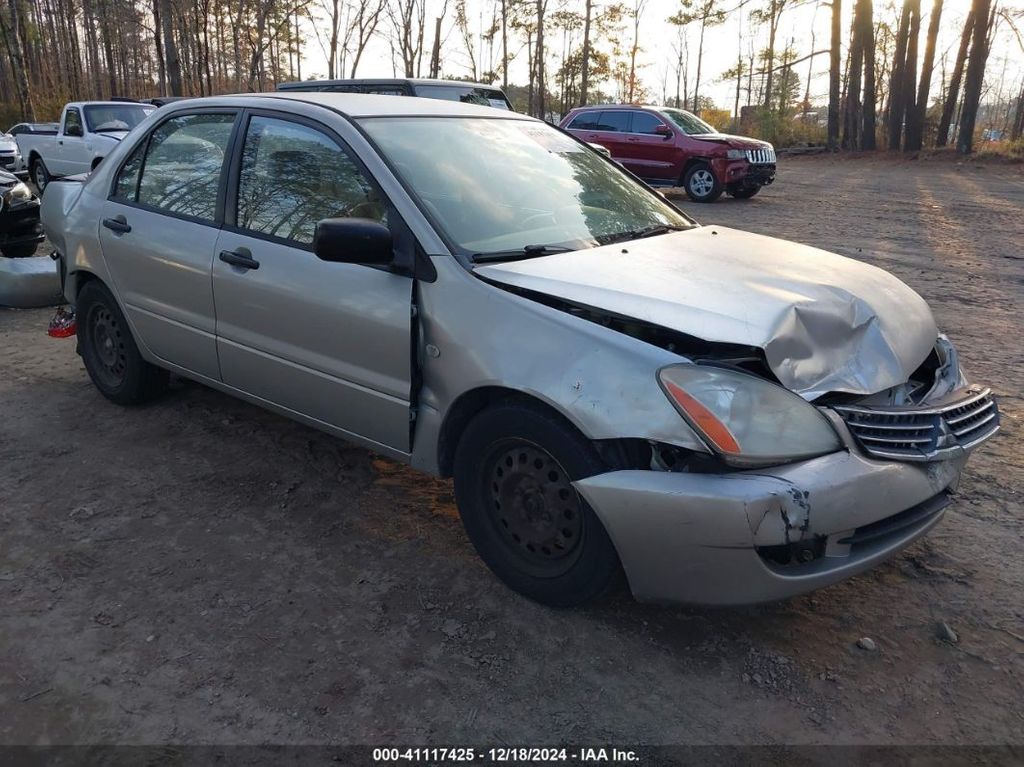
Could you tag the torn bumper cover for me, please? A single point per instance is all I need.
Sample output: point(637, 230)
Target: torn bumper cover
point(716, 538)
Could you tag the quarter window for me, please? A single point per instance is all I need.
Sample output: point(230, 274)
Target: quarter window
point(178, 169)
point(294, 176)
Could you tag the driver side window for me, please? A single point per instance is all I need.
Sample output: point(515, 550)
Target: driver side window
point(293, 176)
point(73, 123)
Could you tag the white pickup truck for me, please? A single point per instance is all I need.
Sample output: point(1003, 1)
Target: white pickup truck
point(88, 131)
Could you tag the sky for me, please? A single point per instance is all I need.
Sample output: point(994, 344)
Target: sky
point(806, 21)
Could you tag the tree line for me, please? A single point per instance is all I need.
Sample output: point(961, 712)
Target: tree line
point(883, 73)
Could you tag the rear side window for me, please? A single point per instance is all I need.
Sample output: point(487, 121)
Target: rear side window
point(293, 176)
point(644, 122)
point(178, 169)
point(585, 121)
point(614, 122)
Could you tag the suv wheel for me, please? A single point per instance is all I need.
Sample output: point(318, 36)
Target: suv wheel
point(514, 469)
point(109, 352)
point(701, 183)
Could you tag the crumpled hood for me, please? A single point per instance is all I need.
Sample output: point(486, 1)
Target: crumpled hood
point(741, 142)
point(826, 323)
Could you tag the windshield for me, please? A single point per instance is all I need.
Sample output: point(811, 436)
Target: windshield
point(488, 97)
point(496, 185)
point(115, 117)
point(689, 122)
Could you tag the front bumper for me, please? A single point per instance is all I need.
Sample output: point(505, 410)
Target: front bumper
point(745, 173)
point(20, 224)
point(706, 538)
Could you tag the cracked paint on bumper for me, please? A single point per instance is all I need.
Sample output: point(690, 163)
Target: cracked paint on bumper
point(693, 538)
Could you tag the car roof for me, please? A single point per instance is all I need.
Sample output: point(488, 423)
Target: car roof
point(389, 81)
point(128, 103)
point(604, 107)
point(359, 104)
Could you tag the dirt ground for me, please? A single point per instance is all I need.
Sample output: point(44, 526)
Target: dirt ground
point(201, 571)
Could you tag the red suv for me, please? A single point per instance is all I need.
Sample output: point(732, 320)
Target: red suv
point(671, 146)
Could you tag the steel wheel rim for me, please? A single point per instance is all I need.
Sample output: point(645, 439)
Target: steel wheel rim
point(702, 182)
point(533, 507)
point(106, 338)
point(40, 176)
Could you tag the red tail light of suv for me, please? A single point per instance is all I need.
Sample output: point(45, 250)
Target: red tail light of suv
point(666, 146)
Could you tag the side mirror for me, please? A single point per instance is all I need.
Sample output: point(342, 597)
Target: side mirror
point(663, 130)
point(73, 130)
point(353, 241)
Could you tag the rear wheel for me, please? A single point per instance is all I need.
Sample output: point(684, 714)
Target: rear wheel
point(40, 175)
point(514, 469)
point(109, 352)
point(701, 183)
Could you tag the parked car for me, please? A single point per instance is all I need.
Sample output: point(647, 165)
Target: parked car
point(671, 146)
point(87, 132)
point(732, 417)
point(10, 155)
point(447, 90)
point(20, 233)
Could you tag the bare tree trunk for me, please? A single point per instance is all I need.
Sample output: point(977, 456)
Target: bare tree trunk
point(897, 106)
point(539, 57)
point(975, 77)
point(953, 94)
point(852, 116)
point(173, 62)
point(15, 39)
point(916, 113)
point(867, 135)
point(773, 27)
point(834, 75)
point(585, 61)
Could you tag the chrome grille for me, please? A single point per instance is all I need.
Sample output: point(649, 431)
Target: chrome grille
point(924, 433)
point(765, 156)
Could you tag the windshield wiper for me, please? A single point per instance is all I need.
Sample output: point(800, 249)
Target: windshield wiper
point(516, 254)
point(639, 234)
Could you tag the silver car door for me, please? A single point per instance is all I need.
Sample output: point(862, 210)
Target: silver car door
point(158, 233)
point(70, 146)
point(328, 340)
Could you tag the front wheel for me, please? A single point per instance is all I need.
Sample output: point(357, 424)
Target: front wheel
point(21, 250)
point(514, 469)
point(701, 183)
point(40, 175)
point(109, 352)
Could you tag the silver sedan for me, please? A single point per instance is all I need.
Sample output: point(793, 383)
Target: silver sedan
point(726, 417)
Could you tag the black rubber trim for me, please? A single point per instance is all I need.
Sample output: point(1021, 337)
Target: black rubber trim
point(911, 517)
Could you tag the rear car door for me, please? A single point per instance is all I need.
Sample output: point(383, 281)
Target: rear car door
point(331, 341)
point(159, 230)
point(648, 153)
point(610, 130)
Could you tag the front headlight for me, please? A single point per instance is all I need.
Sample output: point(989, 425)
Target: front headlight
point(17, 194)
point(745, 419)
point(736, 154)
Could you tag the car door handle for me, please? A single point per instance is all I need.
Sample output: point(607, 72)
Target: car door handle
point(118, 225)
point(241, 258)
point(632, 139)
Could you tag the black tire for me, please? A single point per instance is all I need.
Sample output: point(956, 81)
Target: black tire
point(513, 468)
point(701, 183)
point(744, 192)
point(21, 250)
point(39, 174)
point(109, 352)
